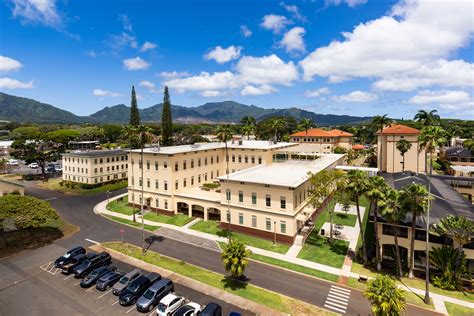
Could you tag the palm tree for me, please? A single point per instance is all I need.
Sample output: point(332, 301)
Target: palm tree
point(248, 120)
point(458, 228)
point(234, 258)
point(248, 130)
point(391, 210)
point(414, 200)
point(380, 121)
point(144, 136)
point(450, 263)
point(403, 146)
point(427, 118)
point(129, 132)
point(386, 298)
point(276, 124)
point(376, 188)
point(355, 188)
point(306, 124)
point(224, 134)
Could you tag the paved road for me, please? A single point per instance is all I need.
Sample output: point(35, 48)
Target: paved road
point(78, 210)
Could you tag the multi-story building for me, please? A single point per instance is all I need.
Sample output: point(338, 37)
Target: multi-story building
point(389, 159)
point(325, 141)
point(458, 156)
point(95, 166)
point(177, 179)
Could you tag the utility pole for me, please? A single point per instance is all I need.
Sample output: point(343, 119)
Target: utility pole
point(274, 232)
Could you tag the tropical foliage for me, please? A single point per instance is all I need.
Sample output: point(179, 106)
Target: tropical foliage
point(386, 298)
point(450, 264)
point(26, 211)
point(234, 257)
point(403, 146)
point(460, 229)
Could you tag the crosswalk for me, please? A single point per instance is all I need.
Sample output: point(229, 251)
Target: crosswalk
point(338, 299)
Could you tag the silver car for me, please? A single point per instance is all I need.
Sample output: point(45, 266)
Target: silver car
point(125, 281)
point(154, 294)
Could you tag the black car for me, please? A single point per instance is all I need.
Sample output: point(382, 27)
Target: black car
point(88, 265)
point(108, 280)
point(95, 274)
point(69, 267)
point(212, 309)
point(136, 289)
point(68, 256)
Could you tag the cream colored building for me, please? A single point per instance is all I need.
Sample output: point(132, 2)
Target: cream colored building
point(389, 158)
point(10, 186)
point(95, 166)
point(325, 141)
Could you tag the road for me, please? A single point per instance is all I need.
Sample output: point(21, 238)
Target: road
point(78, 210)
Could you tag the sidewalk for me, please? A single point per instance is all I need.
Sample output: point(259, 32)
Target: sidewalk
point(345, 271)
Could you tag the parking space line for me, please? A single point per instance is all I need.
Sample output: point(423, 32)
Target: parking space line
point(115, 302)
point(104, 294)
point(90, 289)
point(153, 311)
point(68, 277)
point(92, 241)
point(77, 283)
point(131, 309)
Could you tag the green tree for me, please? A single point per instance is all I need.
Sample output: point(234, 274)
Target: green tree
point(26, 211)
point(380, 121)
point(248, 130)
point(224, 134)
point(355, 188)
point(386, 298)
point(166, 120)
point(112, 132)
point(427, 118)
point(277, 124)
point(134, 114)
point(63, 136)
point(248, 120)
point(234, 257)
point(38, 151)
point(305, 124)
point(129, 132)
point(403, 146)
point(460, 229)
point(450, 265)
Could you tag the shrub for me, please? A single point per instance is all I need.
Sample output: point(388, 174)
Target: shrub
point(26, 211)
point(450, 264)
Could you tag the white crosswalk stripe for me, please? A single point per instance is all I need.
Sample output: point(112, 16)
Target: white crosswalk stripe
point(337, 299)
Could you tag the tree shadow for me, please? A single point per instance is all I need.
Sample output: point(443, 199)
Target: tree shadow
point(151, 239)
point(235, 283)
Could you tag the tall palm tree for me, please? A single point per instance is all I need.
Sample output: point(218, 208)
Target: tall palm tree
point(248, 120)
point(458, 228)
point(355, 188)
point(427, 118)
point(306, 124)
point(414, 200)
point(144, 136)
point(385, 297)
point(376, 187)
point(248, 130)
point(129, 132)
point(380, 121)
point(276, 124)
point(403, 146)
point(234, 258)
point(224, 134)
point(392, 211)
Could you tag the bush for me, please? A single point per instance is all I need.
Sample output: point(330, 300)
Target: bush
point(26, 211)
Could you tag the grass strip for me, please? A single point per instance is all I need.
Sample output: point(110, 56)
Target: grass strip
point(317, 249)
point(458, 310)
point(178, 219)
point(150, 228)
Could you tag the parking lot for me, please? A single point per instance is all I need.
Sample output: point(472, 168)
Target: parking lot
point(49, 292)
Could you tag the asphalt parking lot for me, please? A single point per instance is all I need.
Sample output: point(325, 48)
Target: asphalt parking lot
point(47, 291)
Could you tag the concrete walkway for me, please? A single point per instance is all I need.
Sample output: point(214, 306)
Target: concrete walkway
point(185, 235)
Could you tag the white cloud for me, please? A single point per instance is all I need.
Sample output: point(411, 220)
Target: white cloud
point(223, 55)
point(122, 40)
point(246, 32)
point(402, 51)
point(356, 96)
point(316, 93)
point(9, 83)
point(149, 85)
point(9, 64)
point(275, 23)
point(105, 93)
point(293, 40)
point(350, 3)
point(440, 97)
point(204, 81)
point(91, 54)
point(135, 64)
point(212, 93)
point(263, 89)
point(173, 74)
point(127, 24)
point(147, 46)
point(294, 10)
point(140, 97)
point(38, 11)
point(266, 70)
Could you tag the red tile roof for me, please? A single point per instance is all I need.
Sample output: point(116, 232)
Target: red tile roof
point(318, 132)
point(358, 147)
point(399, 129)
point(341, 133)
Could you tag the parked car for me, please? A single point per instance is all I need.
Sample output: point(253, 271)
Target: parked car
point(108, 280)
point(190, 309)
point(88, 265)
point(125, 281)
point(33, 165)
point(136, 289)
point(68, 256)
point(169, 304)
point(69, 267)
point(95, 274)
point(13, 162)
point(212, 309)
point(154, 294)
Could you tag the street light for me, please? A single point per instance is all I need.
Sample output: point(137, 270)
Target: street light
point(274, 232)
point(108, 198)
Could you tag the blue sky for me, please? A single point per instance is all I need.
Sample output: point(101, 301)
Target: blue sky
point(357, 57)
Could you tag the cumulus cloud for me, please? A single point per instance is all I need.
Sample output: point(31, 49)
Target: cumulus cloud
point(148, 46)
point(223, 55)
point(293, 40)
point(402, 51)
point(317, 93)
point(9, 83)
point(356, 96)
point(173, 74)
point(122, 40)
point(149, 85)
point(9, 64)
point(204, 82)
point(261, 90)
point(350, 3)
point(245, 31)
point(212, 93)
point(295, 12)
point(105, 93)
point(135, 64)
point(38, 11)
point(440, 97)
point(274, 23)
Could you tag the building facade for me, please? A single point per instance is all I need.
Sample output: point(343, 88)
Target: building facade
point(95, 166)
point(325, 141)
point(10, 186)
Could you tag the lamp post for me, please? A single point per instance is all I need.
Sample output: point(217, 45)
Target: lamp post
point(274, 232)
point(108, 198)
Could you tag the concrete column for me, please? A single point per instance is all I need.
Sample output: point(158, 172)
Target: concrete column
point(206, 215)
point(190, 210)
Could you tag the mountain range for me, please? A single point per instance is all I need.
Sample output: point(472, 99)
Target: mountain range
point(19, 109)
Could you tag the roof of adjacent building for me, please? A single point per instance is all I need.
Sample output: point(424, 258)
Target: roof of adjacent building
point(399, 129)
point(446, 199)
point(318, 132)
point(290, 173)
point(458, 151)
point(358, 147)
point(6, 143)
point(11, 181)
point(95, 153)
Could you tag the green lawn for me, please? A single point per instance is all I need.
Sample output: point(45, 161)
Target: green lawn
point(345, 219)
point(318, 249)
point(211, 227)
point(458, 310)
point(150, 228)
point(53, 184)
point(120, 207)
point(253, 293)
point(178, 219)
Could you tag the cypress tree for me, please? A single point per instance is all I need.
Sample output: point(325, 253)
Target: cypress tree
point(166, 121)
point(134, 115)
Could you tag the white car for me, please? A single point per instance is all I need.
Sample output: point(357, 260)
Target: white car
point(13, 162)
point(33, 165)
point(190, 309)
point(169, 304)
